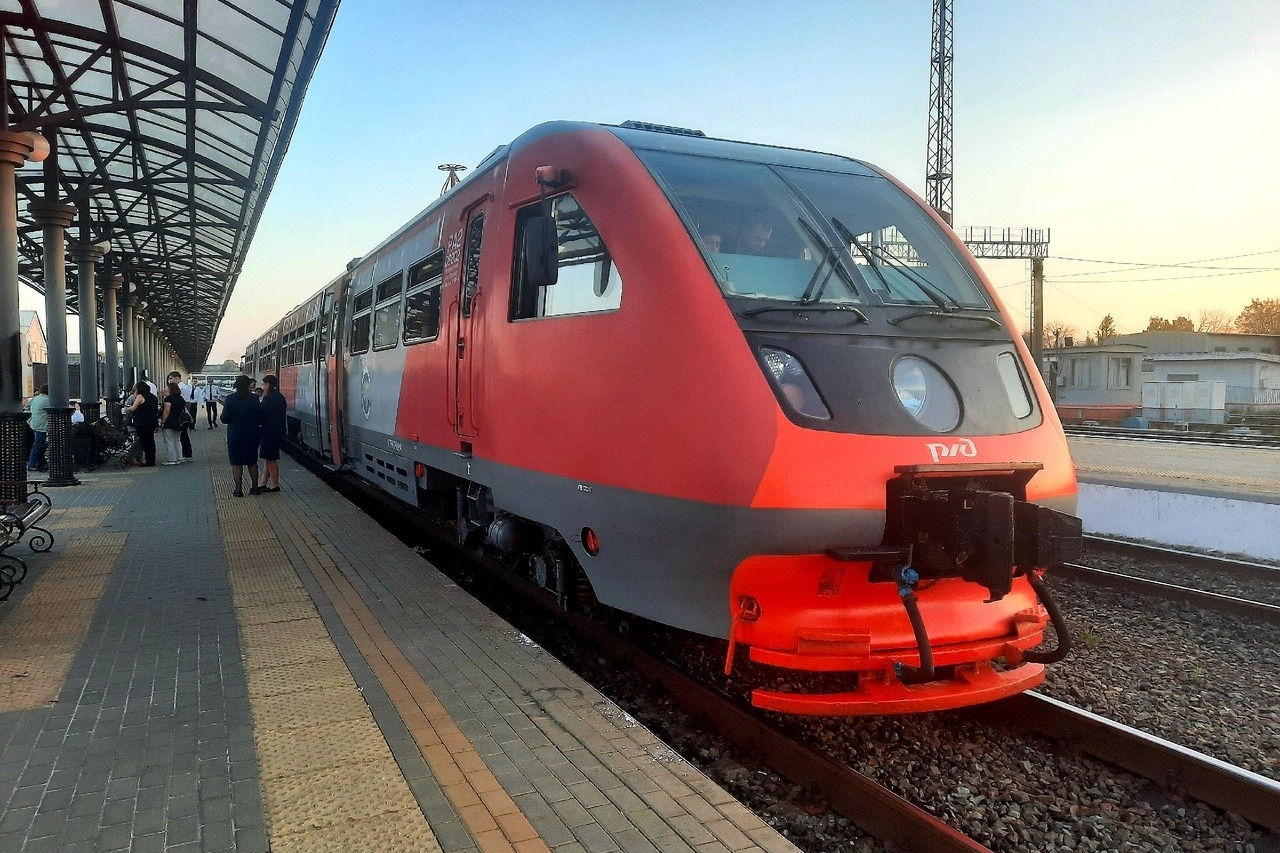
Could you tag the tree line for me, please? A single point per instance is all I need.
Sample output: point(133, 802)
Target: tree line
point(1259, 317)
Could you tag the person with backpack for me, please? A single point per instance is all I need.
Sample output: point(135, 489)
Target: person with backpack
point(145, 414)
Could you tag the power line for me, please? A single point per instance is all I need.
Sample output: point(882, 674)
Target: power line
point(1170, 278)
point(1137, 265)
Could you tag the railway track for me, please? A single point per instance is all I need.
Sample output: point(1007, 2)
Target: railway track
point(1225, 439)
point(1199, 776)
point(877, 809)
point(1219, 569)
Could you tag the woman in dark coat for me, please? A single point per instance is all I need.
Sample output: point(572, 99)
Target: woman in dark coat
point(274, 424)
point(145, 414)
point(242, 413)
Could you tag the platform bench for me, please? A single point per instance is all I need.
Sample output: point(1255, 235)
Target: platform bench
point(17, 519)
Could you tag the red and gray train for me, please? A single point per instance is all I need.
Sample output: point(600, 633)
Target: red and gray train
point(756, 393)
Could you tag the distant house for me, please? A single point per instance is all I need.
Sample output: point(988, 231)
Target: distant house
point(1102, 381)
point(35, 351)
point(1096, 375)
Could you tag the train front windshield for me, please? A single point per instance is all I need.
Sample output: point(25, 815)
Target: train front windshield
point(806, 236)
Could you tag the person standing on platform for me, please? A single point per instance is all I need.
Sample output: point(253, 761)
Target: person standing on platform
point(38, 407)
point(208, 395)
point(144, 413)
point(274, 423)
point(193, 405)
point(242, 413)
point(184, 390)
point(171, 420)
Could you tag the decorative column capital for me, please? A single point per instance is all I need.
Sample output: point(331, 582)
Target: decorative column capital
point(86, 254)
point(116, 282)
point(44, 212)
point(15, 147)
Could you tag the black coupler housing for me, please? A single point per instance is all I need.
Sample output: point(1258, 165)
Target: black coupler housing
point(961, 527)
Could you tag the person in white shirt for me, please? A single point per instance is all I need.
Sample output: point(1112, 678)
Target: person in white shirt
point(208, 395)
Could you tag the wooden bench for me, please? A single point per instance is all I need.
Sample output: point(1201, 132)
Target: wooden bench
point(16, 521)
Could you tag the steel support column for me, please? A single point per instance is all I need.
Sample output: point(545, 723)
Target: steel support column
point(110, 350)
point(54, 216)
point(85, 257)
point(14, 148)
point(129, 332)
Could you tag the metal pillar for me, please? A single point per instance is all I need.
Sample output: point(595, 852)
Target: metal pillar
point(938, 165)
point(111, 352)
point(129, 331)
point(55, 216)
point(14, 149)
point(1037, 313)
point(85, 257)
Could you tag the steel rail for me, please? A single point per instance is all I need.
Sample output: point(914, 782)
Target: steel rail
point(1239, 568)
point(1225, 439)
point(1172, 592)
point(1210, 780)
point(866, 803)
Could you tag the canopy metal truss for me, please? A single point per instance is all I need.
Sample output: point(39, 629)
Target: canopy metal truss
point(168, 121)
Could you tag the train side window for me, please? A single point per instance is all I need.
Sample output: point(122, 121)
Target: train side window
point(422, 301)
point(386, 312)
point(361, 308)
point(588, 281)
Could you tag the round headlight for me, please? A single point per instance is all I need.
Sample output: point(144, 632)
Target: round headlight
point(926, 393)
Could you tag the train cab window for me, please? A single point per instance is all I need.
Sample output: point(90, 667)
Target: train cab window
point(386, 312)
point(422, 300)
point(587, 282)
point(361, 322)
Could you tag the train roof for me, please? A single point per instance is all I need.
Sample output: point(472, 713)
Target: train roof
point(653, 137)
point(645, 137)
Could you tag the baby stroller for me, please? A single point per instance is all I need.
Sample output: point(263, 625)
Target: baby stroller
point(111, 441)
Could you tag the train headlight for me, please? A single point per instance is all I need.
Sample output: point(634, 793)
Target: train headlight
point(926, 393)
point(793, 382)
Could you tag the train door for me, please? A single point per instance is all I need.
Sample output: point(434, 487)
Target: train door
point(322, 375)
point(467, 343)
point(337, 370)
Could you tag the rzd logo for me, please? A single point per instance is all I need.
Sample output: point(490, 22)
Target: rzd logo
point(963, 447)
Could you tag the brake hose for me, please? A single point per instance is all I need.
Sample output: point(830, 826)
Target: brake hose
point(1059, 624)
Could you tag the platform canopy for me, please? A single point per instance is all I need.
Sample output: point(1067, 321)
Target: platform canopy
point(168, 121)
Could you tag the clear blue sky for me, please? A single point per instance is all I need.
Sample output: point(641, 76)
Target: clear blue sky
point(1140, 131)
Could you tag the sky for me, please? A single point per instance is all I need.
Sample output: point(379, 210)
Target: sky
point(1144, 135)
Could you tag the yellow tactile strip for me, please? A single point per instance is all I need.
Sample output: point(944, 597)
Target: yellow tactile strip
point(329, 781)
point(493, 819)
point(38, 641)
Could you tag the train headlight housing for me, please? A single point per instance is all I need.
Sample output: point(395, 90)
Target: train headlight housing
point(926, 393)
point(793, 383)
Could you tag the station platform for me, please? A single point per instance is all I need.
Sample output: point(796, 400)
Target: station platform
point(185, 670)
point(1238, 473)
point(1204, 497)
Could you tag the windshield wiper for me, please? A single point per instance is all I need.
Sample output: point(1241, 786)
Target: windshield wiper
point(803, 307)
point(830, 256)
point(947, 315)
point(938, 297)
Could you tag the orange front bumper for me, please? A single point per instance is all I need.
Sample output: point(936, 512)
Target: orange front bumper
point(971, 685)
point(810, 613)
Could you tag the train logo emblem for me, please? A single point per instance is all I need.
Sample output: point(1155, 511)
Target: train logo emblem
point(963, 447)
point(366, 394)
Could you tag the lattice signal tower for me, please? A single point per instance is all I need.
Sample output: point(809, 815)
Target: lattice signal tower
point(985, 242)
point(938, 173)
